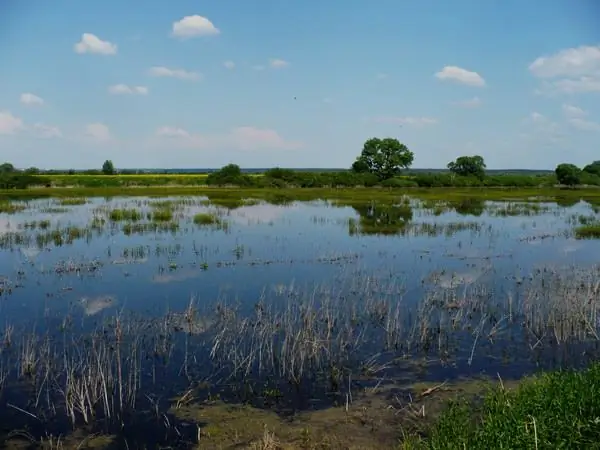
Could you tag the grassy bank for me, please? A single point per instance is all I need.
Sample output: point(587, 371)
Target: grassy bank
point(551, 194)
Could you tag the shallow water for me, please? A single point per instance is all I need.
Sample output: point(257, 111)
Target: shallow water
point(476, 269)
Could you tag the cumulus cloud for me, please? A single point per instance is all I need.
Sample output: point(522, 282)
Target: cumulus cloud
point(10, 124)
point(470, 103)
point(229, 65)
point(30, 99)
point(276, 63)
point(121, 89)
point(240, 138)
point(460, 75)
point(194, 26)
point(571, 70)
point(416, 122)
point(90, 43)
point(46, 131)
point(98, 132)
point(165, 72)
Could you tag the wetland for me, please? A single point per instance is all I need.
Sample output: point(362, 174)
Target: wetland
point(281, 319)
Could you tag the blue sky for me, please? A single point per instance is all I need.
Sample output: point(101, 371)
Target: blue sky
point(192, 83)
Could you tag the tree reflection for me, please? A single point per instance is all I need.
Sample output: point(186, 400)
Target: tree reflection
point(380, 218)
point(469, 206)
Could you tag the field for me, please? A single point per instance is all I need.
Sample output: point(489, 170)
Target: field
point(191, 316)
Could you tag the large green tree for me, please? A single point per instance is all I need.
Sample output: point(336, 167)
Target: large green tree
point(593, 168)
point(7, 168)
point(383, 157)
point(108, 167)
point(466, 166)
point(568, 174)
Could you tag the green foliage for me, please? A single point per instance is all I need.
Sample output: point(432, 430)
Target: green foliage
point(383, 157)
point(568, 174)
point(468, 166)
point(108, 167)
point(554, 410)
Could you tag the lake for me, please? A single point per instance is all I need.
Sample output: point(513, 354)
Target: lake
point(290, 305)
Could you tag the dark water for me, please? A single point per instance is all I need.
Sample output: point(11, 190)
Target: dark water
point(483, 291)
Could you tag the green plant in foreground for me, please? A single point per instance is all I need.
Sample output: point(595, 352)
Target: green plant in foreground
point(553, 410)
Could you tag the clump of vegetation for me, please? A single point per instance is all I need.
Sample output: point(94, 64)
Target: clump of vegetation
point(206, 219)
point(161, 215)
point(118, 215)
point(553, 410)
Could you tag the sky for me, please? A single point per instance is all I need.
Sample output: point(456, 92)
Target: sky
point(265, 83)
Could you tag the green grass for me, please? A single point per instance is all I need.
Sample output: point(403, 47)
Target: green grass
point(552, 410)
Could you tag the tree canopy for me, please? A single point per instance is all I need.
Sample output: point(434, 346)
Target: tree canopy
point(108, 167)
point(568, 174)
point(468, 166)
point(383, 157)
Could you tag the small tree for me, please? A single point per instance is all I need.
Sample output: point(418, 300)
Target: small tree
point(568, 174)
point(466, 166)
point(383, 157)
point(108, 167)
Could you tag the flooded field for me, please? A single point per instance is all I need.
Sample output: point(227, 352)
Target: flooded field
point(141, 317)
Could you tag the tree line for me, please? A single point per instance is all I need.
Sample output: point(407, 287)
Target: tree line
point(380, 163)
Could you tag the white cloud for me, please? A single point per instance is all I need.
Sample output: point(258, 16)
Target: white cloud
point(46, 131)
point(229, 65)
point(537, 117)
point(31, 99)
point(90, 43)
point(159, 71)
point(470, 103)
point(410, 121)
point(172, 132)
point(193, 26)
point(276, 63)
point(585, 125)
point(119, 89)
point(10, 124)
point(460, 75)
point(570, 71)
point(573, 111)
point(240, 138)
point(571, 62)
point(381, 76)
point(98, 131)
